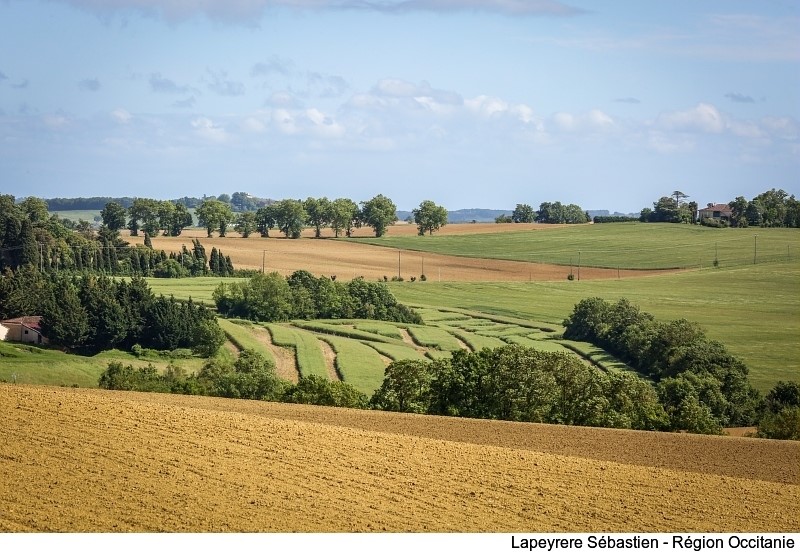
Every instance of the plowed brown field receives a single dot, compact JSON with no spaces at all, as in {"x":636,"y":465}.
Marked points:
{"x":90,"y":460}
{"x":348,"y":260}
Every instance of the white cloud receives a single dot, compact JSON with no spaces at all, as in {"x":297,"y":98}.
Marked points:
{"x":592,"y":122}
{"x":122,"y":116}
{"x":702,"y":118}
{"x":208,"y":130}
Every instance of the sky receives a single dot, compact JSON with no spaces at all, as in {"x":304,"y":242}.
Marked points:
{"x":468,"y":103}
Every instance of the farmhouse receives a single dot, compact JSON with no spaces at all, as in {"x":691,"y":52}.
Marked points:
{"x":22,"y":329}
{"x":718,"y":212}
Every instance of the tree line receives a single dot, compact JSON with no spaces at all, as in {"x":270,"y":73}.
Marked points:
{"x":516,"y":383}
{"x":272,"y":297}
{"x":30,"y":236}
{"x":250,"y":377}
{"x":548,"y":213}
{"x":92,"y":313}
{"x":771,"y":209}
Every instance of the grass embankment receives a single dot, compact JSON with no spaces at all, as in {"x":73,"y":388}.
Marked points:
{"x":26,"y":364}
{"x":630,"y":245}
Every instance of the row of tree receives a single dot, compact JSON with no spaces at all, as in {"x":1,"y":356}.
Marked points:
{"x":92,"y":313}
{"x":251,"y":377}
{"x":290,"y":216}
{"x":271,"y":297}
{"x":516,"y":383}
{"x":30,"y":236}
{"x":701,"y":385}
{"x":548,"y":213}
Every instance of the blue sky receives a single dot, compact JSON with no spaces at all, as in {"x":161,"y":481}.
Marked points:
{"x":470,"y":103}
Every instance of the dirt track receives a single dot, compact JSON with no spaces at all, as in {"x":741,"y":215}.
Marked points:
{"x":347,"y":260}
{"x":88,"y":460}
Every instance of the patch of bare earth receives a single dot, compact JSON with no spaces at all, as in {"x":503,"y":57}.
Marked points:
{"x":285,"y":363}
{"x":92,"y":460}
{"x":346,"y":260}
{"x":330,"y":359}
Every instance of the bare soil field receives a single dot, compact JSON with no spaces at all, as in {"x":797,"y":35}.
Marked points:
{"x":91,"y":460}
{"x":348,"y":260}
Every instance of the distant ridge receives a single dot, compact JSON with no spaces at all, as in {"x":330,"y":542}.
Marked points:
{"x":464,"y":215}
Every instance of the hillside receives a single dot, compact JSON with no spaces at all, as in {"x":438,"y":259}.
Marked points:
{"x":87,"y":460}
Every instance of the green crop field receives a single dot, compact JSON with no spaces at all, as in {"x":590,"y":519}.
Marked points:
{"x":630,"y":245}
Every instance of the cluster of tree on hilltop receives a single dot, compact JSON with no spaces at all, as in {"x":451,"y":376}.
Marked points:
{"x":548,"y":213}
{"x":772,"y":209}
{"x":91,"y":313}
{"x":272,"y":297}
{"x":700,"y":384}
{"x":30,"y":236}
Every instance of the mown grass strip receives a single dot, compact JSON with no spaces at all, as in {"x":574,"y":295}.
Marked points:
{"x":395,"y":352}
{"x":599,"y":357}
{"x":476,"y":342}
{"x":358,"y":364}
{"x":541,"y":345}
{"x":344,"y":332}
{"x":380,"y":328}
{"x":308,"y":354}
{"x":243,"y":337}
{"x":433,"y":337}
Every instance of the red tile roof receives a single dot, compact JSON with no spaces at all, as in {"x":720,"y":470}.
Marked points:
{"x":34,"y":323}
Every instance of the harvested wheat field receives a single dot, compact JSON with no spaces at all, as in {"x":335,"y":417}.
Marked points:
{"x":91,"y":460}
{"x":348,"y":260}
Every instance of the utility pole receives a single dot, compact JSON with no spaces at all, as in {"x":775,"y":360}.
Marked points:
{"x":398,"y":264}
{"x":579,"y":266}
{"x":263,"y":259}
{"x":755,"y":247}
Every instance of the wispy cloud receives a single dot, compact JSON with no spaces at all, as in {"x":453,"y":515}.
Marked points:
{"x":738,"y":97}
{"x":250,"y":11}
{"x":627,"y":100}
{"x":161,"y":84}
{"x":219,"y":83}
{"x":91,"y":85}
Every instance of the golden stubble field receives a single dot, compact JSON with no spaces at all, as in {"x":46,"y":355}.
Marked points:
{"x":91,"y":460}
{"x":348,"y":260}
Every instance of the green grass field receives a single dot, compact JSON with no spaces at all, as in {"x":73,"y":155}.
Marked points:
{"x":630,"y":245}
{"x":28,"y":364}
{"x":753,"y":310}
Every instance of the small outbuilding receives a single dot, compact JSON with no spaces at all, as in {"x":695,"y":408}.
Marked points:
{"x":22,"y":329}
